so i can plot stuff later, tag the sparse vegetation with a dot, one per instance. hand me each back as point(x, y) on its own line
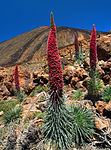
point(21, 96)
point(33, 115)
point(39, 115)
point(42, 97)
point(106, 94)
point(46, 88)
point(67, 57)
point(83, 124)
point(37, 89)
point(5, 106)
point(12, 115)
point(81, 57)
point(95, 85)
point(62, 67)
point(77, 95)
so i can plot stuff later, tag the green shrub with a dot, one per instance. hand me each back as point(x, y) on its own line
point(62, 67)
point(5, 106)
point(12, 115)
point(33, 115)
point(21, 96)
point(39, 115)
point(67, 57)
point(81, 58)
point(42, 97)
point(83, 124)
point(106, 94)
point(78, 95)
point(37, 89)
point(46, 88)
point(32, 93)
point(95, 85)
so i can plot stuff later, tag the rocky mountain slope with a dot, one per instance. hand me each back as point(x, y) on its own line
point(29, 50)
point(32, 45)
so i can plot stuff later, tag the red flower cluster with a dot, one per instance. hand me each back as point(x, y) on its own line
point(16, 79)
point(54, 63)
point(76, 42)
point(93, 49)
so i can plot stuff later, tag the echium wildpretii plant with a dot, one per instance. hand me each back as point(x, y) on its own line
point(79, 54)
point(57, 120)
point(16, 78)
point(95, 84)
point(20, 94)
point(76, 42)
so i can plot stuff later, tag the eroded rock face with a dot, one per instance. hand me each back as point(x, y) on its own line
point(74, 76)
point(104, 47)
point(40, 77)
point(103, 54)
point(106, 69)
point(10, 88)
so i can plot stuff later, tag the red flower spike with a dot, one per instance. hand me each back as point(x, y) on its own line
point(76, 42)
point(16, 78)
point(93, 49)
point(54, 63)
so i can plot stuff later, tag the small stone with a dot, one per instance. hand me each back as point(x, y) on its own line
point(108, 106)
point(1, 113)
point(101, 124)
point(88, 106)
point(100, 105)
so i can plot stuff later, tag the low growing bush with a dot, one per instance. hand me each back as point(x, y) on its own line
point(37, 89)
point(83, 124)
point(12, 115)
point(106, 94)
point(5, 106)
point(21, 96)
point(95, 85)
point(78, 95)
point(33, 115)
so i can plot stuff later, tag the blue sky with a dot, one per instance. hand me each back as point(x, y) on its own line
point(19, 16)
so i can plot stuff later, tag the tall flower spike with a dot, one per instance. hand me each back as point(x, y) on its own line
point(93, 49)
point(16, 79)
point(52, 21)
point(54, 62)
point(76, 42)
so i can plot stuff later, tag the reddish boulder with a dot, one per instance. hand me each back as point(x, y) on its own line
point(101, 124)
point(10, 87)
point(100, 105)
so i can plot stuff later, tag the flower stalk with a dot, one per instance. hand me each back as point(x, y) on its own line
point(76, 42)
point(16, 79)
point(93, 50)
point(54, 63)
